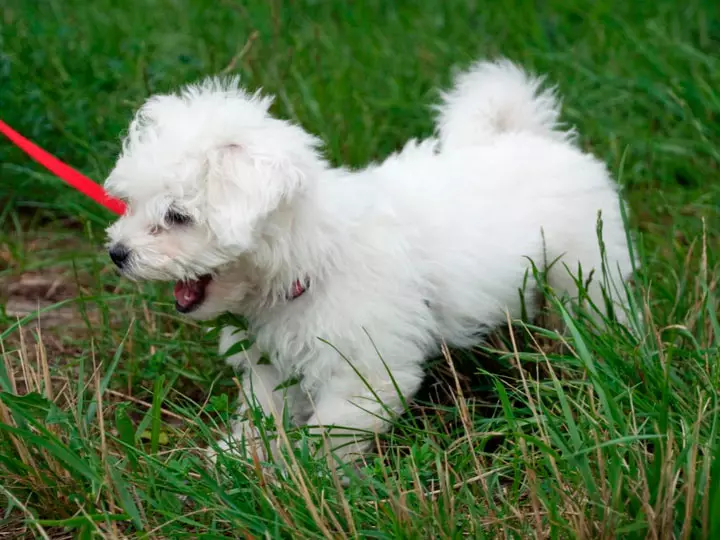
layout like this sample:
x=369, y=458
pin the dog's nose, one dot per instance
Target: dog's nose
x=119, y=254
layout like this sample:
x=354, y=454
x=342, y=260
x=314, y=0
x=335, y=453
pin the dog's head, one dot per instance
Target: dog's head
x=202, y=173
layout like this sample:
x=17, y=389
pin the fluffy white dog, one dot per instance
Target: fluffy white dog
x=351, y=279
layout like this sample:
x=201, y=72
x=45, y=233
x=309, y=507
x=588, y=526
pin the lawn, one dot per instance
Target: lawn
x=107, y=396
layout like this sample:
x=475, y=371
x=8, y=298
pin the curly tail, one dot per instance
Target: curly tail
x=494, y=98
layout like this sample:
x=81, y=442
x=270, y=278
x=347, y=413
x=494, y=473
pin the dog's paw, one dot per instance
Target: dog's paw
x=245, y=442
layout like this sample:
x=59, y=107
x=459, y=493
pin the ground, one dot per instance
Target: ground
x=106, y=394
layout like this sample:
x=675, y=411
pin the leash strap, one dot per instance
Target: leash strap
x=77, y=180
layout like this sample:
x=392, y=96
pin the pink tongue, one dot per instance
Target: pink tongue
x=187, y=292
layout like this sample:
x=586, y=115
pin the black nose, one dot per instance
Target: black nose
x=119, y=255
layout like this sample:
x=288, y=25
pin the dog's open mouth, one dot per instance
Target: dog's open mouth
x=189, y=294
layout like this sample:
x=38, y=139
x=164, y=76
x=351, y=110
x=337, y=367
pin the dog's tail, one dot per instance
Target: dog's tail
x=494, y=98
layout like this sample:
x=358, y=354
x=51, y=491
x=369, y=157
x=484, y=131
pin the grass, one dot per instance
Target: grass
x=544, y=433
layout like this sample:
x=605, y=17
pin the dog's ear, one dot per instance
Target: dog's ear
x=243, y=187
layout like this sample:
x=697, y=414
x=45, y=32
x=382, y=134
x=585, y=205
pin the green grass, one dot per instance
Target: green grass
x=574, y=434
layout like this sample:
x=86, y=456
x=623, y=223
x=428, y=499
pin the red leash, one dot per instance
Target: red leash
x=77, y=180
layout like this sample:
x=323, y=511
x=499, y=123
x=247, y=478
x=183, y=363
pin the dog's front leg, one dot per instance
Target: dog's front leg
x=259, y=388
x=349, y=410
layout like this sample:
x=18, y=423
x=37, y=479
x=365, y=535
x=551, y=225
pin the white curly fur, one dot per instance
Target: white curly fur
x=431, y=245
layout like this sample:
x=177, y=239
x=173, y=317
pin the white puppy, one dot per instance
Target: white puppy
x=350, y=280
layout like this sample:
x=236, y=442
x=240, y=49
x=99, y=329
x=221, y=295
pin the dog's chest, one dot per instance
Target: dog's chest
x=291, y=340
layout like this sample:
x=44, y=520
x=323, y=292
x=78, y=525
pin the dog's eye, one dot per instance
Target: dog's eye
x=175, y=217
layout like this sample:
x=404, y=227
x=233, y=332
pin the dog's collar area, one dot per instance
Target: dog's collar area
x=298, y=288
